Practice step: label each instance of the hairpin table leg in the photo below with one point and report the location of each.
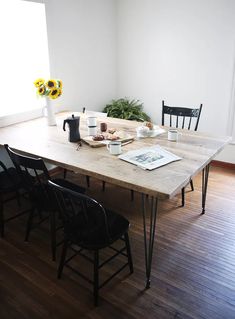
(149, 240)
(205, 175)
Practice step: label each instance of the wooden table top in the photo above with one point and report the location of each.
(51, 143)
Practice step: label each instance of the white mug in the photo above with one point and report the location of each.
(91, 121)
(114, 147)
(173, 135)
(92, 130)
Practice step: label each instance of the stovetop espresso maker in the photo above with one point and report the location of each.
(73, 122)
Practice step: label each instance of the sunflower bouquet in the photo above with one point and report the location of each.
(51, 88)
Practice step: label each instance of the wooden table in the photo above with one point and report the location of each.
(51, 143)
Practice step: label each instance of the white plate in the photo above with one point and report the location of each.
(150, 133)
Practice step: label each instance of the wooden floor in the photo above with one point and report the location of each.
(193, 274)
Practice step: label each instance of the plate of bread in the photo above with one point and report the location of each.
(104, 138)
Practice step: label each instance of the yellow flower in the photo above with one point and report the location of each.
(54, 93)
(60, 84)
(42, 90)
(51, 88)
(39, 82)
(59, 92)
(51, 84)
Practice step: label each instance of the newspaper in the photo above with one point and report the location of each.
(149, 157)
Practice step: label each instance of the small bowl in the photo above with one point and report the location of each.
(143, 131)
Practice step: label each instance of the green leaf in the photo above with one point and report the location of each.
(126, 109)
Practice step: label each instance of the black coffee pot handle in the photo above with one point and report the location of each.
(65, 121)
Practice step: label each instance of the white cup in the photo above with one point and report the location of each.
(91, 121)
(92, 130)
(114, 147)
(173, 135)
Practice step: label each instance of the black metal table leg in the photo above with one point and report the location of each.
(149, 240)
(205, 175)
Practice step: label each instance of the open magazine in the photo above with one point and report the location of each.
(149, 157)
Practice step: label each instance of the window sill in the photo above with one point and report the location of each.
(20, 117)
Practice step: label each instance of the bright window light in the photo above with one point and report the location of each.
(23, 55)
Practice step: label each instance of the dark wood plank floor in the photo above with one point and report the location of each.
(193, 274)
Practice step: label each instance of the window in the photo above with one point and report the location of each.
(23, 57)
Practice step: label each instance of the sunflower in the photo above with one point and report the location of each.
(39, 82)
(54, 93)
(41, 90)
(51, 88)
(60, 92)
(60, 84)
(51, 84)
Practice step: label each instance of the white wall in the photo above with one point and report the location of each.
(180, 51)
(82, 48)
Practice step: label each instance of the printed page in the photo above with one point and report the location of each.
(149, 157)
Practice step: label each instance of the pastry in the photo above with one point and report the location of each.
(149, 125)
(98, 137)
(111, 130)
(111, 137)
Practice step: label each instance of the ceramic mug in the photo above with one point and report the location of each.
(173, 135)
(92, 130)
(114, 147)
(91, 121)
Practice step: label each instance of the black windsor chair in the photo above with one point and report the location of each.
(88, 226)
(34, 177)
(181, 117)
(10, 189)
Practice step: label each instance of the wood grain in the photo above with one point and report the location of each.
(193, 273)
(89, 141)
(51, 143)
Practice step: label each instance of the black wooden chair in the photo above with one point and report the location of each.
(181, 117)
(88, 226)
(10, 189)
(34, 177)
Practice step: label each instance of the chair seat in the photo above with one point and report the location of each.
(9, 184)
(92, 235)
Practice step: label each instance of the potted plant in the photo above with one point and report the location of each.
(126, 109)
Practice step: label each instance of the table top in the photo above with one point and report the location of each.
(51, 143)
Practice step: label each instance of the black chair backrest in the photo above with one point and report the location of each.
(85, 212)
(182, 117)
(11, 176)
(32, 171)
(3, 167)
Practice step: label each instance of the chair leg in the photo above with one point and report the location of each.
(29, 224)
(103, 186)
(62, 259)
(65, 173)
(128, 249)
(183, 196)
(1, 219)
(18, 199)
(132, 195)
(191, 184)
(40, 214)
(88, 181)
(53, 235)
(96, 277)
